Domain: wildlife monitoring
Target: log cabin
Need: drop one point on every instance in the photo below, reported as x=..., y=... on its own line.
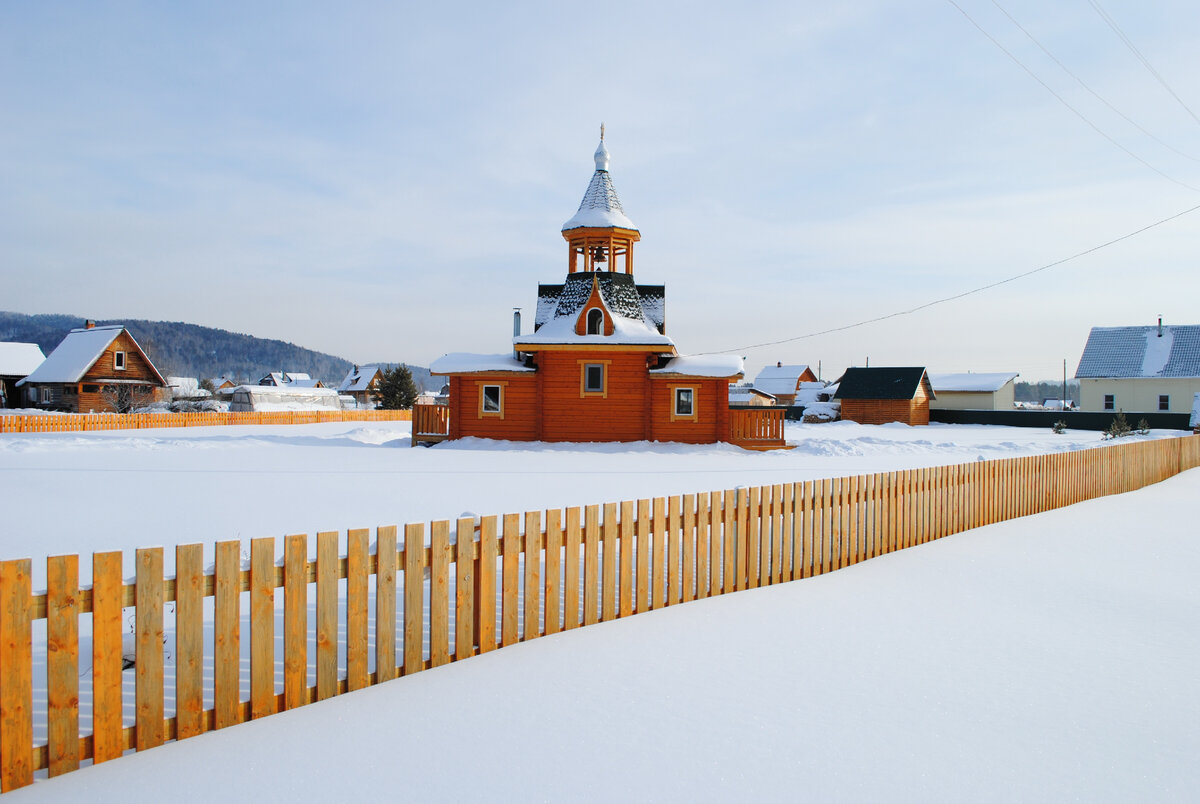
x=100, y=369
x=598, y=365
x=360, y=383
x=885, y=394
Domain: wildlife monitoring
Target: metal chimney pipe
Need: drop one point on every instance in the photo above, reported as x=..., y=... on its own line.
x=516, y=331
x=1160, y=326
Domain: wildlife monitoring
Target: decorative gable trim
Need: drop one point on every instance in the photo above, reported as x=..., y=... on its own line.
x=595, y=302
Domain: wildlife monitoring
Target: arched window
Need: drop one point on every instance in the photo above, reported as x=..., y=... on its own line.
x=595, y=321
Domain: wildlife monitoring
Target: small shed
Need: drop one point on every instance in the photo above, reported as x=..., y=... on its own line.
x=17, y=361
x=879, y=395
x=749, y=395
x=974, y=390
x=783, y=381
x=95, y=368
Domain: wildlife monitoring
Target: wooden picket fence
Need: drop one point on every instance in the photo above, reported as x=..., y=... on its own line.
x=79, y=422
x=514, y=578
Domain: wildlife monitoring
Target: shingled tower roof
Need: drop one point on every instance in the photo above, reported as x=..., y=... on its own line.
x=600, y=207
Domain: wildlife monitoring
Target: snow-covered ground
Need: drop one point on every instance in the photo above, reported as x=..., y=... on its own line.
x=1043, y=659
x=119, y=490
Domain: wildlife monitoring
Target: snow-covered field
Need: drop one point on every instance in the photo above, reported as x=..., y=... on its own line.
x=119, y=490
x=1044, y=659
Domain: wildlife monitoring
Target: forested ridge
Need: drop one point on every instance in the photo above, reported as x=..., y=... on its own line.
x=190, y=350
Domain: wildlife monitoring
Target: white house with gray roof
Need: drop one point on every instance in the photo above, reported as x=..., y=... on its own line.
x=1154, y=369
x=986, y=390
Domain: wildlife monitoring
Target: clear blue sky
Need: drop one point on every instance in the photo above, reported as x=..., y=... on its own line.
x=386, y=181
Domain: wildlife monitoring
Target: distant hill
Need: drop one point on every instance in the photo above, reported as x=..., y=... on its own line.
x=189, y=350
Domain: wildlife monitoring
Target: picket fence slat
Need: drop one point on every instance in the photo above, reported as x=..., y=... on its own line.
x=62, y=663
x=108, y=740
x=149, y=651
x=16, y=686
x=295, y=621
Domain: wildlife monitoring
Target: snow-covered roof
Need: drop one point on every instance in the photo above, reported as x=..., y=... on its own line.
x=600, y=206
x=983, y=382
x=359, y=378
x=779, y=379
x=1141, y=352
x=284, y=377
x=72, y=358
x=20, y=359
x=743, y=394
x=703, y=366
x=1195, y=421
x=626, y=332
x=183, y=386
x=559, y=308
x=284, y=390
x=467, y=363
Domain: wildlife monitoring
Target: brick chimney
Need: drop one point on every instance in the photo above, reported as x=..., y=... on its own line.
x=89, y=324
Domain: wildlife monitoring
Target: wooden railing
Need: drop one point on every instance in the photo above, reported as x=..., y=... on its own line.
x=77, y=422
x=756, y=427
x=431, y=423
x=581, y=566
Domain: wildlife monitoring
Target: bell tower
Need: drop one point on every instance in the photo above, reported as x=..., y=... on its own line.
x=600, y=236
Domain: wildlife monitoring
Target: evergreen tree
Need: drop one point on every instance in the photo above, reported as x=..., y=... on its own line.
x=395, y=389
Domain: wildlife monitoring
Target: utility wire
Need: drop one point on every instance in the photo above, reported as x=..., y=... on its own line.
x=1093, y=92
x=1133, y=48
x=965, y=293
x=1063, y=101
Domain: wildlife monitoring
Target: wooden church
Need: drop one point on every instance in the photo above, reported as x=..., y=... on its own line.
x=598, y=365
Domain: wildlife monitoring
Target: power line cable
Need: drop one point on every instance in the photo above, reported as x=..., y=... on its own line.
x=1145, y=62
x=1093, y=92
x=1063, y=101
x=965, y=293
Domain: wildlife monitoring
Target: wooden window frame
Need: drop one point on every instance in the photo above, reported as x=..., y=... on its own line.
x=584, y=365
x=676, y=416
x=595, y=311
x=120, y=361
x=491, y=414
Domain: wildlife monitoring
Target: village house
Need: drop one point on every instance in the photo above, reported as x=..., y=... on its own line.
x=879, y=395
x=1144, y=369
x=598, y=365
x=974, y=391
x=17, y=361
x=745, y=394
x=783, y=381
x=223, y=384
x=98, y=369
x=361, y=383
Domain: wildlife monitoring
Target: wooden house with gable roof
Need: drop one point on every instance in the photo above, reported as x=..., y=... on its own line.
x=598, y=365
x=95, y=369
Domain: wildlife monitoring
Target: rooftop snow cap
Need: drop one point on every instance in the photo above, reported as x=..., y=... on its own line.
x=600, y=207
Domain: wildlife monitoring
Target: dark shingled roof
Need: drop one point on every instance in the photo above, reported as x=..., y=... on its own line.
x=620, y=293
x=885, y=382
